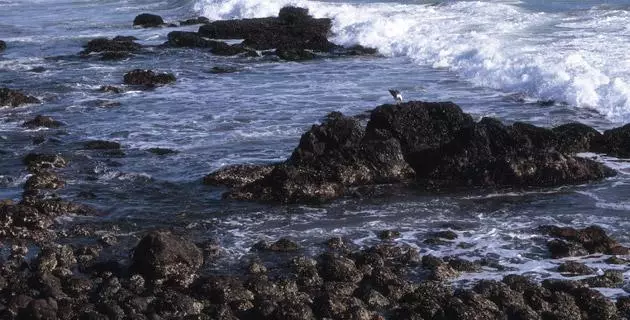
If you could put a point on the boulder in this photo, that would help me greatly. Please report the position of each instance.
(13, 98)
(147, 78)
(38, 161)
(162, 255)
(148, 20)
(42, 121)
(575, 268)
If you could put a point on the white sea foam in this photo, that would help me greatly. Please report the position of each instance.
(578, 58)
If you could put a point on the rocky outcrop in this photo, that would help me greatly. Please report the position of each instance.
(433, 145)
(163, 256)
(148, 20)
(147, 78)
(14, 98)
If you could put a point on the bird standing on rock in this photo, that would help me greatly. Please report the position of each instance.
(397, 95)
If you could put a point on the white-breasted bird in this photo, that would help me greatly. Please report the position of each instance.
(397, 95)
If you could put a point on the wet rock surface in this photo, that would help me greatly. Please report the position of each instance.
(3, 45)
(148, 20)
(147, 78)
(14, 98)
(434, 145)
(117, 48)
(574, 242)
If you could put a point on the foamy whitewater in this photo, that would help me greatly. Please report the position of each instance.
(578, 58)
(537, 61)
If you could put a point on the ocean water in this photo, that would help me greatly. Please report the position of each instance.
(539, 61)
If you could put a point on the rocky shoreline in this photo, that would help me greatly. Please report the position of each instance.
(434, 146)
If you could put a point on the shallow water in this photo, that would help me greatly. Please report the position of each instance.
(492, 58)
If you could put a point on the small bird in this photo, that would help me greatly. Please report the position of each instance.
(397, 95)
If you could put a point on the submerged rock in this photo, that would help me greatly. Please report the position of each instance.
(42, 121)
(13, 98)
(148, 20)
(101, 145)
(3, 45)
(162, 151)
(147, 78)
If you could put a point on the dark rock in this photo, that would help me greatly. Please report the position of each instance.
(388, 234)
(162, 151)
(616, 260)
(577, 137)
(466, 304)
(111, 89)
(282, 245)
(119, 44)
(294, 30)
(3, 45)
(356, 50)
(114, 55)
(147, 78)
(292, 310)
(435, 142)
(561, 249)
(334, 267)
(463, 265)
(610, 279)
(219, 70)
(293, 15)
(222, 289)
(147, 20)
(189, 39)
(440, 270)
(198, 20)
(42, 121)
(592, 239)
(294, 54)
(237, 175)
(43, 180)
(101, 145)
(38, 161)
(13, 98)
(623, 306)
(576, 268)
(595, 304)
(162, 255)
(329, 157)
(341, 308)
(616, 142)
(39, 309)
(446, 234)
